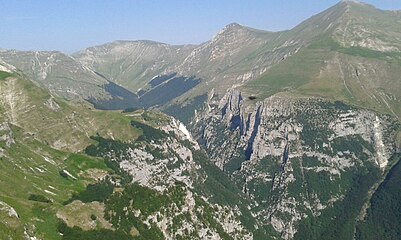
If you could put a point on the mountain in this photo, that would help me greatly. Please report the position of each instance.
(349, 38)
(217, 63)
(58, 72)
(272, 135)
(132, 63)
(308, 162)
(64, 76)
(351, 53)
(69, 172)
(282, 136)
(217, 57)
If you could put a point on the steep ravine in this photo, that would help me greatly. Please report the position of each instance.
(299, 159)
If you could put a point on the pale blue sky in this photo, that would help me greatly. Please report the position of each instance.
(70, 25)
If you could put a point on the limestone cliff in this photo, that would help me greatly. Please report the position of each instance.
(293, 156)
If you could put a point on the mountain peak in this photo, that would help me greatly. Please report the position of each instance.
(340, 12)
(355, 4)
(234, 25)
(350, 1)
(231, 29)
(235, 28)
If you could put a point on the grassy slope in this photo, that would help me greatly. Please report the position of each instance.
(291, 74)
(357, 76)
(3, 75)
(32, 177)
(31, 166)
(328, 66)
(67, 128)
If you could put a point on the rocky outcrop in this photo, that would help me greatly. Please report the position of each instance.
(168, 165)
(281, 142)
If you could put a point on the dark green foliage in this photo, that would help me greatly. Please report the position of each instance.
(94, 192)
(38, 198)
(148, 133)
(265, 233)
(310, 161)
(320, 182)
(338, 222)
(234, 164)
(264, 190)
(341, 106)
(105, 146)
(383, 219)
(4, 75)
(223, 190)
(76, 233)
(207, 216)
(145, 199)
(336, 105)
(353, 144)
(146, 116)
(299, 187)
(217, 184)
(368, 53)
(313, 135)
(130, 195)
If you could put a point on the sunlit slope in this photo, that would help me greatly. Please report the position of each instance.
(352, 54)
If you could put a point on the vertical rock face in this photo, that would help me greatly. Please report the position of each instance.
(230, 107)
(295, 157)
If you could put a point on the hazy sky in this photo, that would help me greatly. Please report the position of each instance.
(70, 25)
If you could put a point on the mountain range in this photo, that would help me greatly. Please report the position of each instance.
(251, 135)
